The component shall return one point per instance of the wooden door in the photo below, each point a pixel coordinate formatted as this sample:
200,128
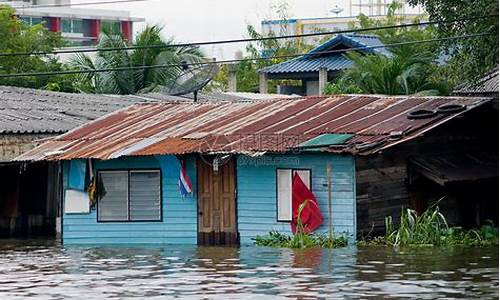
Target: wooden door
216,204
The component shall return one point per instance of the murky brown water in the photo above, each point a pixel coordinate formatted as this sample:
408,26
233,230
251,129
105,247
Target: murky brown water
49,271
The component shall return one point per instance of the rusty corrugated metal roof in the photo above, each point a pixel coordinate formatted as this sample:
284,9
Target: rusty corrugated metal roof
251,127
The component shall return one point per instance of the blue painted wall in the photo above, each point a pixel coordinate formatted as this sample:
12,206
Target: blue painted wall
256,182
179,224
256,203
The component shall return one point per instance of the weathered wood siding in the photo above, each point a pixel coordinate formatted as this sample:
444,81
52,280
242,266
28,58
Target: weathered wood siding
383,187
256,192
381,190
179,222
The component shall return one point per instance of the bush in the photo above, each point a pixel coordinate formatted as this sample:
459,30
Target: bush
431,229
300,240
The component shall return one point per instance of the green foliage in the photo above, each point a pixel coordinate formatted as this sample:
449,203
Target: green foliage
399,34
406,72
431,229
342,86
276,239
300,239
136,80
247,71
16,36
411,70
470,58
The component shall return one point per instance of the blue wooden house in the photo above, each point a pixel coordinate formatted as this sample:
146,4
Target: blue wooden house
240,158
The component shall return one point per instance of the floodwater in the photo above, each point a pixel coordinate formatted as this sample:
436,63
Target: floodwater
47,270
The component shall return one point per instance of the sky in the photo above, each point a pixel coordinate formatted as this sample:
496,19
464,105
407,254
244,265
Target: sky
207,20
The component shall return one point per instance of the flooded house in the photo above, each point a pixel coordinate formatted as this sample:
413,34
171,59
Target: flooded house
31,191
221,172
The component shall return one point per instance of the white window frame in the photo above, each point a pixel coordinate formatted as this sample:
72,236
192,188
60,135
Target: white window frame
129,172
285,198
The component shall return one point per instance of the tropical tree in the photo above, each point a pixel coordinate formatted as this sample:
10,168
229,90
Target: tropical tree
16,36
262,53
470,58
413,68
130,78
405,72
396,35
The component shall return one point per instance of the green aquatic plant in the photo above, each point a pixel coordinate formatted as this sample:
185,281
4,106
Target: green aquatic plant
300,239
431,229
277,239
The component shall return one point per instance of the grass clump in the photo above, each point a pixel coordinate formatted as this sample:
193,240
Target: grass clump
431,229
301,239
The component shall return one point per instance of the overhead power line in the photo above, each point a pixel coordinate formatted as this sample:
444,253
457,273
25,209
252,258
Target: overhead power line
67,51
75,4
68,72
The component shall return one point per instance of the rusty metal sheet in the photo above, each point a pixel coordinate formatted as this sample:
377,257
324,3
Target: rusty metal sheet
277,125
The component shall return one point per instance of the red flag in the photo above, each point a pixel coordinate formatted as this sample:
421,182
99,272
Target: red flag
311,215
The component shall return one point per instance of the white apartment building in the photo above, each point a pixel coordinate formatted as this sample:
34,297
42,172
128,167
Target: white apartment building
80,26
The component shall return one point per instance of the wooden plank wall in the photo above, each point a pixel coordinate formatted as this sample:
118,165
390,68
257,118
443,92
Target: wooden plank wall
382,178
256,192
381,186
179,223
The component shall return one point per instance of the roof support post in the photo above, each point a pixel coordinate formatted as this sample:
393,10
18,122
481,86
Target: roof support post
232,83
323,80
263,83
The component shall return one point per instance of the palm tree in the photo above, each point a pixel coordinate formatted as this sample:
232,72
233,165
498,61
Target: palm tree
137,80
405,72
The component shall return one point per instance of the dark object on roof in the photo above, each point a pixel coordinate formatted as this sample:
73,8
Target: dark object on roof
251,128
314,60
191,80
457,167
420,114
486,86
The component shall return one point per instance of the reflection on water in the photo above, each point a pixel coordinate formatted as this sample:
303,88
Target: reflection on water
48,270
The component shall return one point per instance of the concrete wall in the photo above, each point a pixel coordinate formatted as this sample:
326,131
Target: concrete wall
12,145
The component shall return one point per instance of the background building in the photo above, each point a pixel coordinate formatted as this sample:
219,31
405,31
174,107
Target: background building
379,7
79,26
339,20
316,68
